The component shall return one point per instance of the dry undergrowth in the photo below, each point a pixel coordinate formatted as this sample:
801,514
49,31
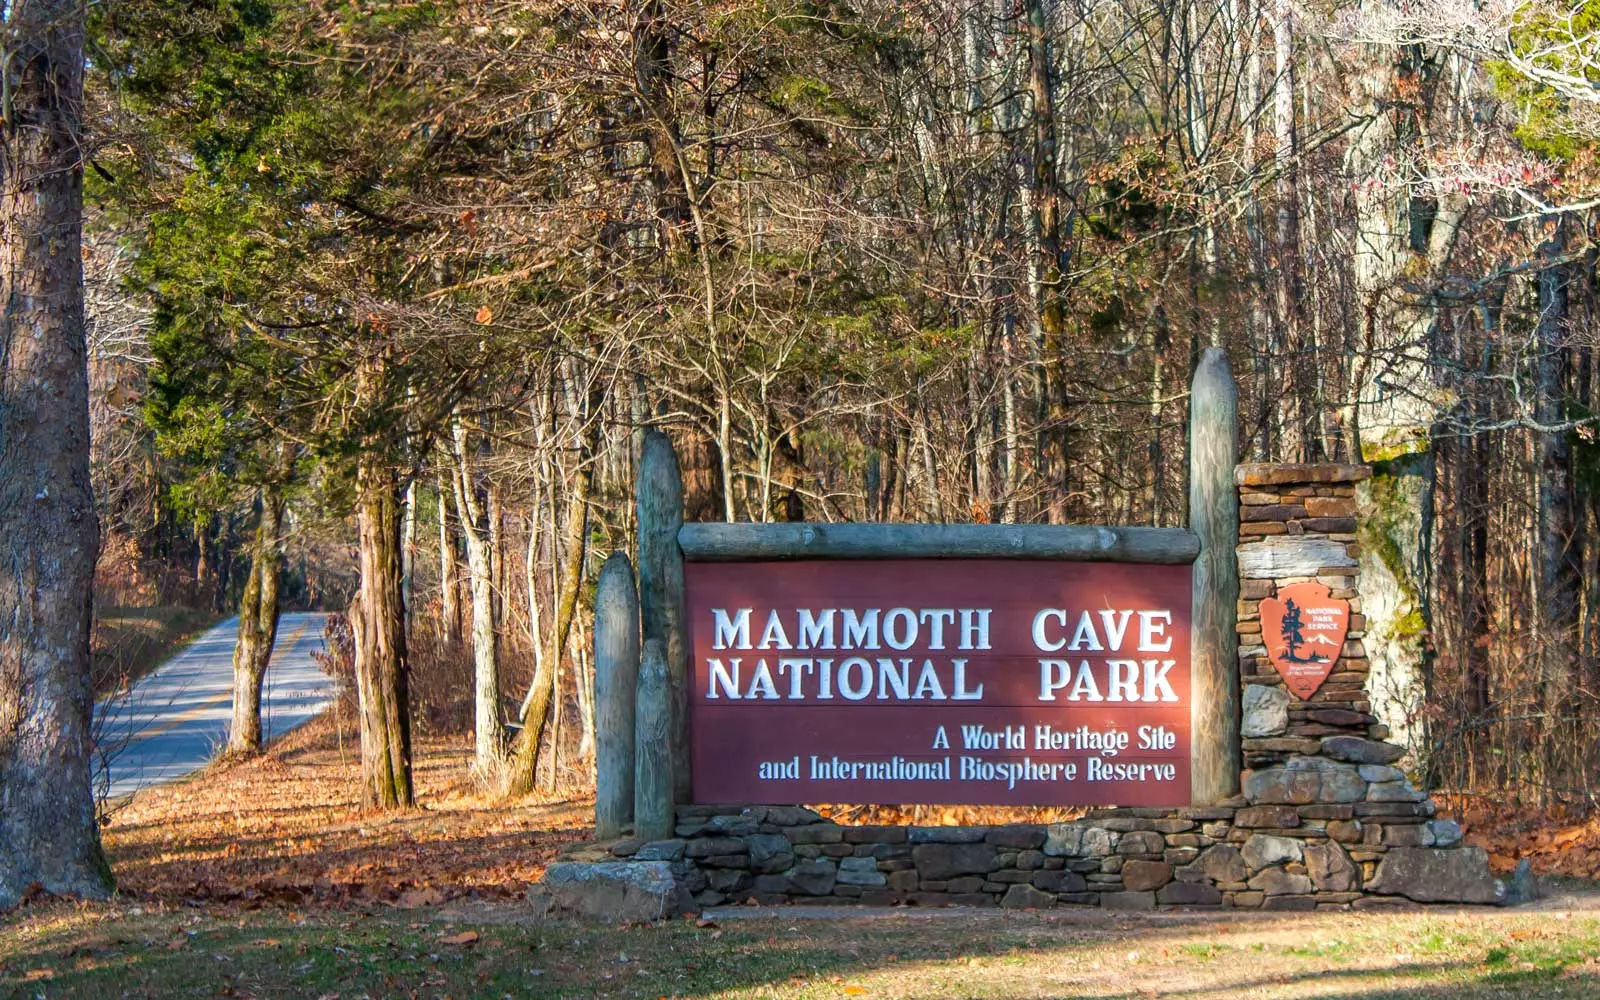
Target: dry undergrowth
287,828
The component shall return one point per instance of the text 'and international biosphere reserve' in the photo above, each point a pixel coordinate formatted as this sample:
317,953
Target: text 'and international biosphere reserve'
960,681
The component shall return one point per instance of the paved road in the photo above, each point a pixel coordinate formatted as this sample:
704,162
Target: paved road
176,719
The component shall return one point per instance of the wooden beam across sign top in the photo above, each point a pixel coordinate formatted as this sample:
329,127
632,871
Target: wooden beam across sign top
757,542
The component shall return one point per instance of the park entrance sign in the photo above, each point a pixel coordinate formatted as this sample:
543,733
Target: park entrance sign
1202,689
956,681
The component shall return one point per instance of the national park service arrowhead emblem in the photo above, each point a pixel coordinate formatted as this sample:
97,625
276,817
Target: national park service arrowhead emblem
1303,629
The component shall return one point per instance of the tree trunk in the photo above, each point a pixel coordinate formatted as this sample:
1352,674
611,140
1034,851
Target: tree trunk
48,533
542,691
1560,574
490,741
449,593
258,626
379,622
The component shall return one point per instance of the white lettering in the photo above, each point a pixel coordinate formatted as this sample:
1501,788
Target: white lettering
720,675
855,692
1155,681
735,633
962,694
773,636
975,628
1124,680
1149,631
936,619
908,632
816,633
861,633
1053,675
1041,643
1115,629
1085,636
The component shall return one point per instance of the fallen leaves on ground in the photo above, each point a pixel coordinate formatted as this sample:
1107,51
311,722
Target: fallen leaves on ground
287,828
1555,841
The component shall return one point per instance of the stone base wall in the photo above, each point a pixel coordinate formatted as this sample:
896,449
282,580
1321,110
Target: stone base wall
1272,856
1325,820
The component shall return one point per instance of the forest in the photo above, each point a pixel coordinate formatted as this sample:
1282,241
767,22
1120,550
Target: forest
382,298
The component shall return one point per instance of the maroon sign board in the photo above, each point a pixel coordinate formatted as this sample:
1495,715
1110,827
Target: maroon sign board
940,681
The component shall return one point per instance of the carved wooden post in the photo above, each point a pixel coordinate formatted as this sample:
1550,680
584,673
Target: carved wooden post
661,592
1214,517
616,673
653,774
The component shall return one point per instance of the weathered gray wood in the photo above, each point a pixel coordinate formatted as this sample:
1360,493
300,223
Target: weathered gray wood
661,593
653,770
616,680
749,542
1214,517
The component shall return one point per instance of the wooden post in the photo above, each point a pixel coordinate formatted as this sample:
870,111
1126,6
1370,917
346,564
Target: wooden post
1214,517
653,774
616,677
661,589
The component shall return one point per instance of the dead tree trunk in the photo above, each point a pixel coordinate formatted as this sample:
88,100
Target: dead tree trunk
48,533
258,625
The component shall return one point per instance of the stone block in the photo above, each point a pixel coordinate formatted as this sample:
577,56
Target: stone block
1446,832
1025,897
1289,903
1438,875
791,816
946,834
1141,842
1330,507
817,833
1267,816
1278,557
1030,860
1299,474
966,883
1305,780
1394,791
1380,773
856,877
906,881
1346,831
1222,863
1128,900
712,846
1074,840
1266,711
1357,750
1139,876
770,852
732,826
945,861
1330,868
727,881
617,891
1262,850
874,834
1058,881
1277,882
1020,836
660,850
1189,894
